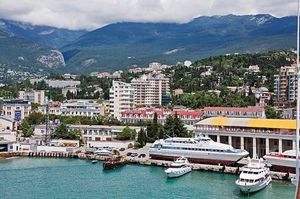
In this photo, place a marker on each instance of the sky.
(92, 14)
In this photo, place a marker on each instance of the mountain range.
(119, 45)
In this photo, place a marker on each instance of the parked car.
(134, 154)
(142, 155)
(129, 154)
(122, 149)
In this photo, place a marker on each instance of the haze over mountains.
(119, 45)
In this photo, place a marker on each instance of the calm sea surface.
(72, 178)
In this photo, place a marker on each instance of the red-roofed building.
(241, 112)
(189, 117)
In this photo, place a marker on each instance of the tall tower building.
(121, 98)
(149, 90)
(285, 84)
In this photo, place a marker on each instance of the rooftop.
(249, 122)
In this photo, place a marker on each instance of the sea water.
(73, 178)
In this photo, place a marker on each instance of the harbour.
(233, 170)
(30, 177)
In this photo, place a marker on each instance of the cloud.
(91, 14)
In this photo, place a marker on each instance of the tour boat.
(200, 150)
(254, 176)
(179, 167)
(114, 163)
(285, 162)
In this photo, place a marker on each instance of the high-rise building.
(121, 98)
(285, 84)
(151, 89)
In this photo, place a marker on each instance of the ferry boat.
(200, 150)
(254, 176)
(179, 167)
(285, 162)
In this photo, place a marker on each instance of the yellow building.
(257, 136)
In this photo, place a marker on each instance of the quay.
(142, 161)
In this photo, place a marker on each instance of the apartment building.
(34, 96)
(86, 108)
(151, 89)
(121, 98)
(285, 84)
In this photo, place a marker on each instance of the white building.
(150, 89)
(34, 96)
(82, 108)
(7, 123)
(15, 109)
(121, 98)
(62, 83)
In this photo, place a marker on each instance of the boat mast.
(298, 99)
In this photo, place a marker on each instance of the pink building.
(189, 117)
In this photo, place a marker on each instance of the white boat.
(254, 176)
(285, 162)
(179, 167)
(200, 150)
(103, 152)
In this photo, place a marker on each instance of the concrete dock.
(142, 161)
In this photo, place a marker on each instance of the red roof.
(161, 112)
(242, 109)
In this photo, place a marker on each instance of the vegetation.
(174, 127)
(26, 128)
(271, 113)
(62, 132)
(126, 134)
(141, 139)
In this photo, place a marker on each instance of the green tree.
(62, 132)
(141, 138)
(271, 113)
(174, 127)
(126, 134)
(35, 118)
(26, 128)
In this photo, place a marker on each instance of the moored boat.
(179, 167)
(114, 163)
(254, 176)
(284, 162)
(199, 150)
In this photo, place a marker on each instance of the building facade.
(121, 98)
(34, 96)
(81, 108)
(257, 136)
(149, 90)
(15, 109)
(189, 117)
(285, 84)
(240, 112)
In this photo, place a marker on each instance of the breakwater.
(142, 161)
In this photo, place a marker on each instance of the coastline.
(142, 161)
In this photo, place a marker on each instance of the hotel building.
(285, 84)
(121, 98)
(82, 108)
(150, 90)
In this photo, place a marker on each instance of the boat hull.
(205, 158)
(112, 165)
(174, 173)
(282, 164)
(254, 188)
